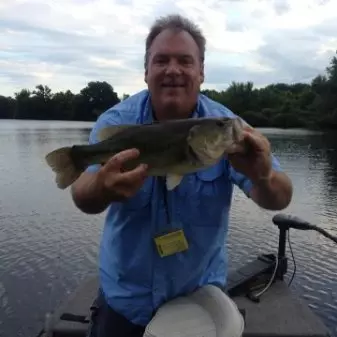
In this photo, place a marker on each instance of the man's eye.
(186, 61)
(161, 61)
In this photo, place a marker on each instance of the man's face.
(174, 73)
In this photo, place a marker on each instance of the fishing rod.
(285, 222)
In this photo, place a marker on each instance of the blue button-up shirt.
(135, 280)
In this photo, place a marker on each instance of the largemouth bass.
(171, 148)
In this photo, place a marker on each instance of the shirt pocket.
(205, 196)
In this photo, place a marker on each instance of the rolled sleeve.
(243, 182)
(108, 118)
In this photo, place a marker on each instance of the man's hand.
(118, 184)
(94, 192)
(255, 162)
(271, 190)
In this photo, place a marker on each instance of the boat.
(259, 289)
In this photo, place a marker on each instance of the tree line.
(312, 105)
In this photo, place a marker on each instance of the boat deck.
(278, 314)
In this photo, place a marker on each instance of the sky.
(67, 43)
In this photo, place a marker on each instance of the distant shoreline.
(91, 123)
(288, 106)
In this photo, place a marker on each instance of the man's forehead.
(172, 52)
(175, 43)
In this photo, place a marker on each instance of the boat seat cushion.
(208, 312)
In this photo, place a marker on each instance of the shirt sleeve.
(243, 182)
(108, 118)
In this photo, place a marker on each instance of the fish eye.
(220, 123)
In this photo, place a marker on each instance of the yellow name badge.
(171, 243)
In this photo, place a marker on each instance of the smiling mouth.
(173, 85)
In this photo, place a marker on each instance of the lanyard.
(162, 184)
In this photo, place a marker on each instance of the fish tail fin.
(62, 164)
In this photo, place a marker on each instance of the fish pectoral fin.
(110, 131)
(173, 180)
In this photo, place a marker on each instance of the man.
(135, 280)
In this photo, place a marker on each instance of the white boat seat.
(208, 312)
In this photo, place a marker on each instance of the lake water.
(47, 246)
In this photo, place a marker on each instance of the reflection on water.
(47, 246)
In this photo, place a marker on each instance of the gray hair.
(178, 23)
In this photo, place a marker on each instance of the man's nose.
(173, 67)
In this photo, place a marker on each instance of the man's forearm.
(274, 193)
(88, 196)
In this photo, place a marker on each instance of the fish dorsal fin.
(112, 130)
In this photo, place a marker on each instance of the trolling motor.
(285, 222)
(268, 268)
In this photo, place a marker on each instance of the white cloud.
(66, 44)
